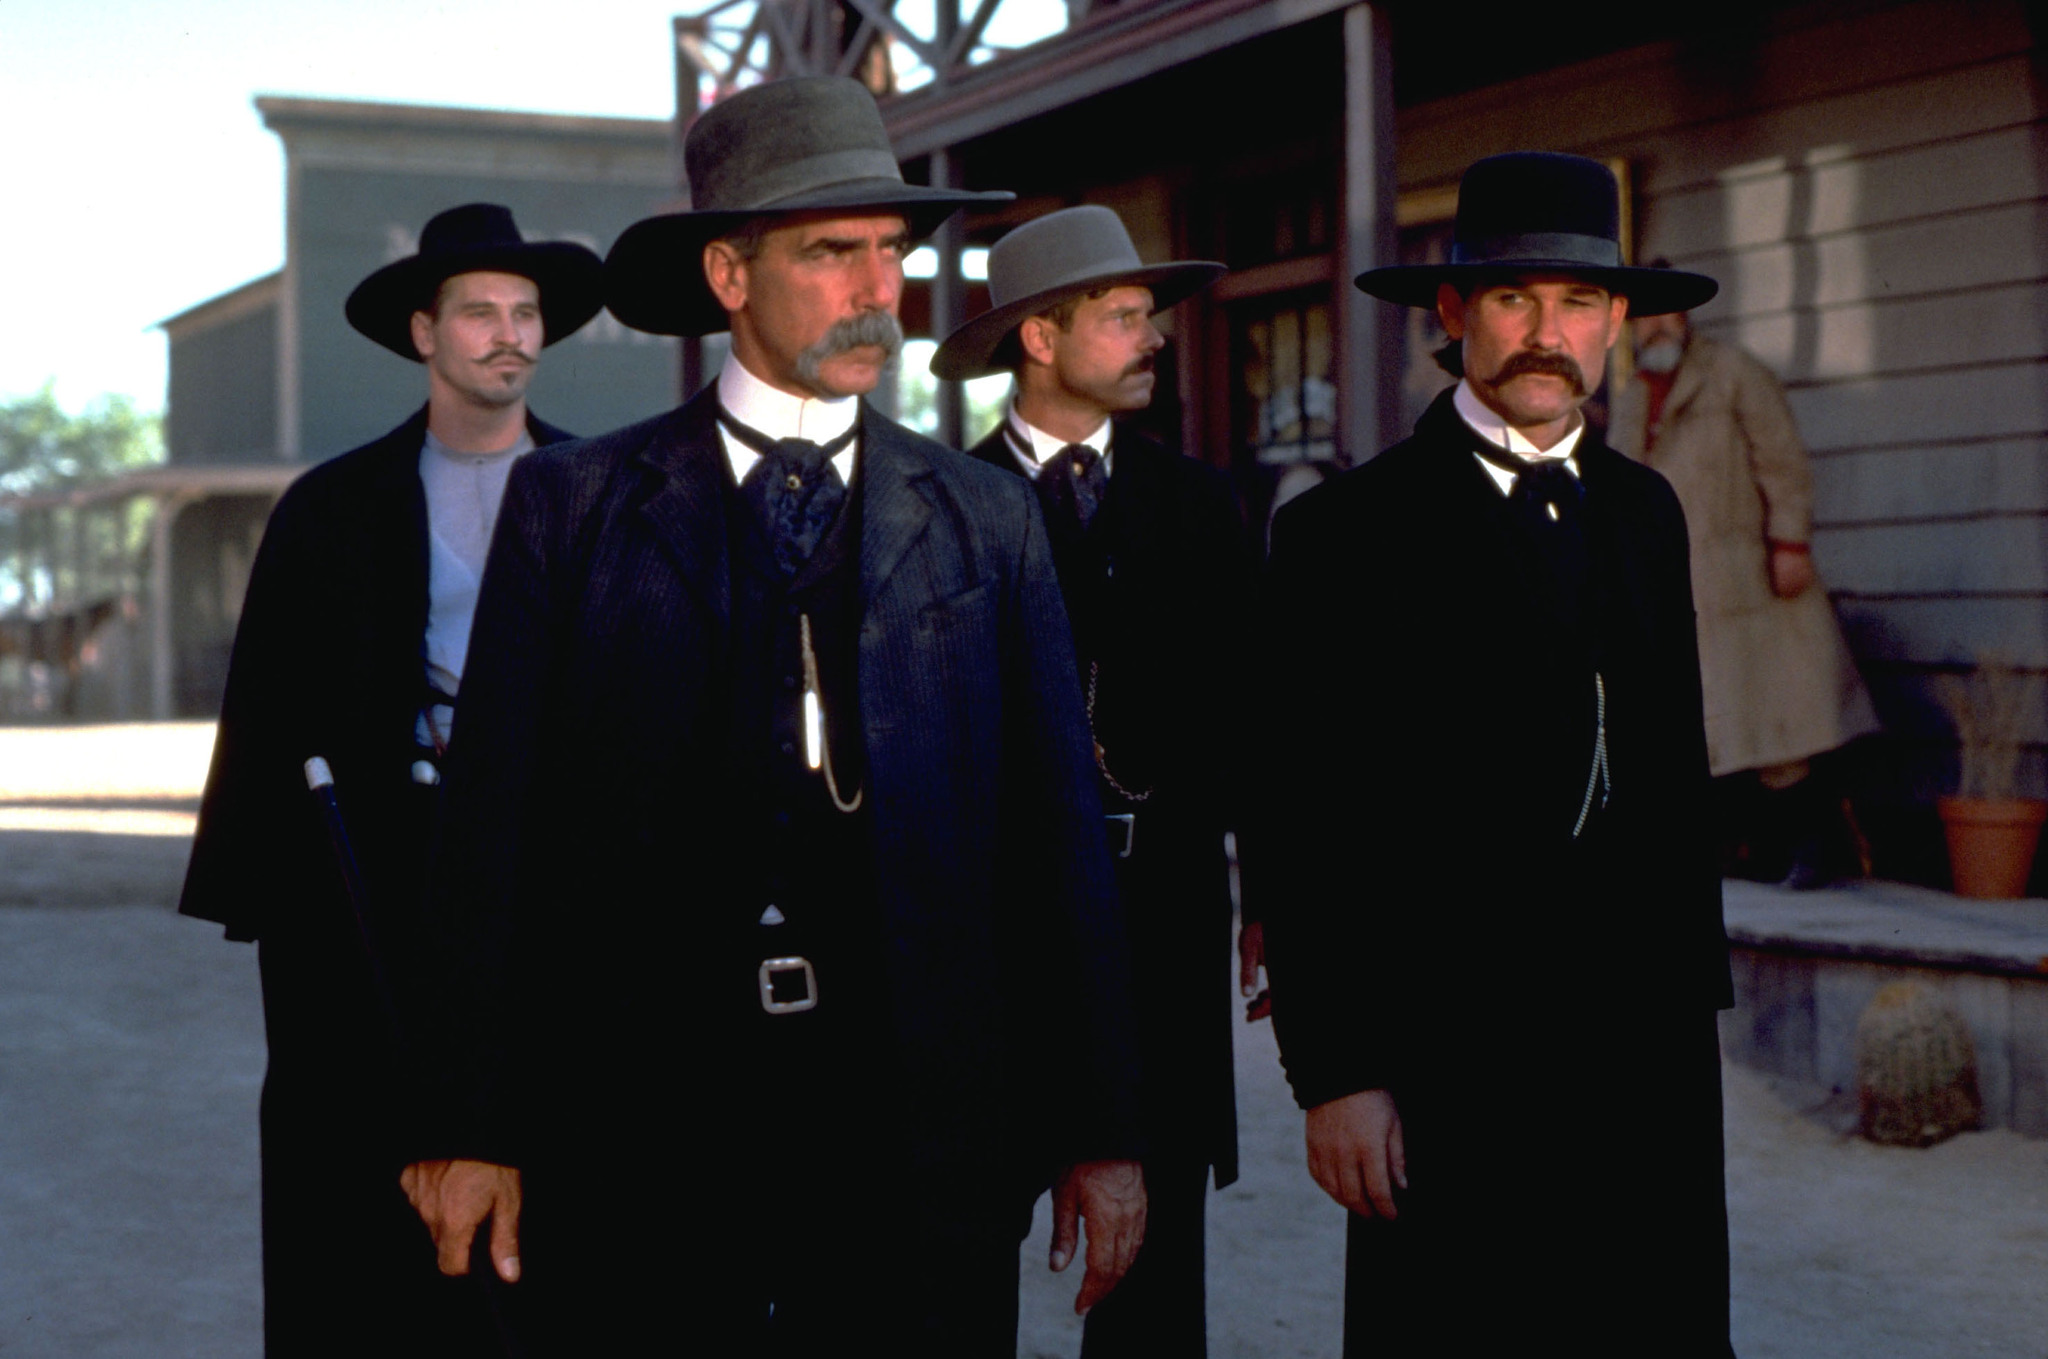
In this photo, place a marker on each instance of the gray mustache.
(869, 329)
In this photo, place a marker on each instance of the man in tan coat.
(1780, 685)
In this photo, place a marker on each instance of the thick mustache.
(1527, 362)
(867, 330)
(1142, 364)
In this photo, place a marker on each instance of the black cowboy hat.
(1063, 254)
(808, 145)
(1540, 212)
(472, 238)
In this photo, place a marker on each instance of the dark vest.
(797, 851)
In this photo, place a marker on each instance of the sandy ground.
(131, 1053)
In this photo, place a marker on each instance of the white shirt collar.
(782, 415)
(1044, 446)
(1488, 425)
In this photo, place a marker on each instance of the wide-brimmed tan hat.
(1049, 259)
(1540, 212)
(473, 238)
(806, 145)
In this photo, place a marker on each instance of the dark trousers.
(1160, 1309)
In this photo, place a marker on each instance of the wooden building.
(136, 583)
(1866, 180)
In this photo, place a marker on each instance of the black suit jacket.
(1172, 605)
(1542, 1009)
(1427, 901)
(584, 879)
(329, 660)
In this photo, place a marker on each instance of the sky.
(140, 181)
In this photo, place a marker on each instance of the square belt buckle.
(776, 976)
(1123, 832)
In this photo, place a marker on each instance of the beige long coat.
(1779, 681)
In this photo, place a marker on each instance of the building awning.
(191, 483)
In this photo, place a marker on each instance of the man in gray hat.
(1153, 565)
(773, 856)
(350, 647)
(1495, 940)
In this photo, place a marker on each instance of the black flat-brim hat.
(476, 238)
(1049, 259)
(787, 148)
(1537, 212)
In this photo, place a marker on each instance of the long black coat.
(587, 887)
(1542, 1011)
(1170, 598)
(329, 661)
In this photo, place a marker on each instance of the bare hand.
(454, 1197)
(1251, 961)
(1791, 571)
(1110, 1195)
(1356, 1154)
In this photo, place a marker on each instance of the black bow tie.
(794, 488)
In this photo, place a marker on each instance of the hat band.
(808, 175)
(1549, 247)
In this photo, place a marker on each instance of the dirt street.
(131, 1054)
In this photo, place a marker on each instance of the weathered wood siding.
(1868, 185)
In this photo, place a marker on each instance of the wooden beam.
(1370, 329)
(1114, 45)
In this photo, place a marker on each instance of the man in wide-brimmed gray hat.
(350, 647)
(773, 847)
(1495, 930)
(1153, 564)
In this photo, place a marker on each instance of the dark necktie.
(1070, 486)
(794, 489)
(1550, 503)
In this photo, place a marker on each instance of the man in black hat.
(350, 648)
(773, 850)
(1153, 567)
(1496, 940)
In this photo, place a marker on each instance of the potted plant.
(1992, 830)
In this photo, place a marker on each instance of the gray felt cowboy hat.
(809, 145)
(472, 238)
(1063, 254)
(1540, 212)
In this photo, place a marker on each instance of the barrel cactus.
(1916, 1069)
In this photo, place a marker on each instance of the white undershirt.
(464, 492)
(1488, 425)
(1045, 446)
(781, 415)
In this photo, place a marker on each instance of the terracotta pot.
(1991, 842)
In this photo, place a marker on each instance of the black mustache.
(508, 351)
(1530, 362)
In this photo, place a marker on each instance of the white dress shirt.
(1045, 446)
(1488, 425)
(782, 415)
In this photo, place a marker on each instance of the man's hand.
(454, 1197)
(1791, 570)
(1111, 1196)
(1251, 961)
(1356, 1154)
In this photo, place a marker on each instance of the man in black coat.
(1153, 567)
(773, 854)
(350, 649)
(1495, 932)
